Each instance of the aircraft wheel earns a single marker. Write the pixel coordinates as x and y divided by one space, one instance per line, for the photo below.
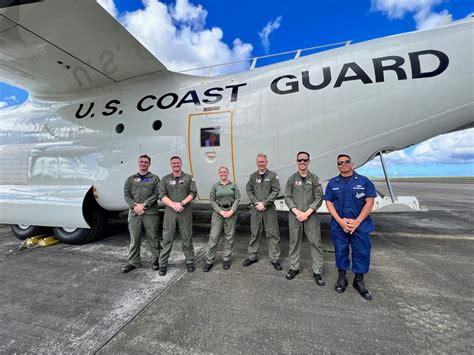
23 231
97 220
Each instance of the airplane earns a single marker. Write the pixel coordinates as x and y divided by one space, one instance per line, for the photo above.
99 99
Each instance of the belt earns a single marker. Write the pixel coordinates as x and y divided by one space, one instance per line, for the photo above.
225 206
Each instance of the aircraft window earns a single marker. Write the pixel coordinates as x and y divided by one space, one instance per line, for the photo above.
210 137
157 125
119 128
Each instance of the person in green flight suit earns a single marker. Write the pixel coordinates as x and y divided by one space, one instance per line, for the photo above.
303 196
225 198
141 193
177 190
263 188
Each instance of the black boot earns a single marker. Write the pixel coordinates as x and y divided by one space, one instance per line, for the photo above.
341 282
359 285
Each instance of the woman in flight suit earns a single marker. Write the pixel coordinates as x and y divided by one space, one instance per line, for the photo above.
225 197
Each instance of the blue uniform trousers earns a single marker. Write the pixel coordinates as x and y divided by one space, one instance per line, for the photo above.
361 246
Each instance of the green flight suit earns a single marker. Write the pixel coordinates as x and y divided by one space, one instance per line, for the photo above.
264 189
177 189
303 194
142 189
223 197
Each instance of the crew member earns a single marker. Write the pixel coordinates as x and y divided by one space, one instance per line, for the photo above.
225 197
141 193
177 190
303 196
263 188
350 199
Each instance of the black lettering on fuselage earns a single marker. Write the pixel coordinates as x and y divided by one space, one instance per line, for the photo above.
111 106
80 115
194 99
379 68
293 85
141 107
174 98
416 72
326 79
359 74
209 93
235 91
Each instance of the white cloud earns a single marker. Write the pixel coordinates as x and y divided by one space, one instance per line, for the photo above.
185 12
452 148
3 104
424 16
267 30
178 37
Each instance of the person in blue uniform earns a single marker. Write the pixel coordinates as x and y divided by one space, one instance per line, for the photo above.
349 199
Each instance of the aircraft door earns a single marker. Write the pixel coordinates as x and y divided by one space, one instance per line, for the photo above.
210 145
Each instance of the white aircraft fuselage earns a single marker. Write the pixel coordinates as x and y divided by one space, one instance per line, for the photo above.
384 94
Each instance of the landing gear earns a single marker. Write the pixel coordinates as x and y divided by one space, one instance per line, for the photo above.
23 231
95 217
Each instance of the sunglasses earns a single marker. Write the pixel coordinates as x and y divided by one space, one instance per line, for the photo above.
302 160
342 162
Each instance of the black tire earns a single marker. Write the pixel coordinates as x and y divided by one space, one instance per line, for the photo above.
23 232
75 236
94 215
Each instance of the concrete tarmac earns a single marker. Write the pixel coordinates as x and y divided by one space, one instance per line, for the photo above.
74 299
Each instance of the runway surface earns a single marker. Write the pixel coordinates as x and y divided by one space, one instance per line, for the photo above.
74 299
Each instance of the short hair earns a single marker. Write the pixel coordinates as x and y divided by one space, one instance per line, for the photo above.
344 155
145 156
302 152
223 167
261 155
175 157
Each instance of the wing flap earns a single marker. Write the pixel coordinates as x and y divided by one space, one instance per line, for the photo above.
64 46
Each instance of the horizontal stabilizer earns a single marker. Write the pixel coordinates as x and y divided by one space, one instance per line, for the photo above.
62 46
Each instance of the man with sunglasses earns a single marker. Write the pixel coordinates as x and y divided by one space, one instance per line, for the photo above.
350 198
303 196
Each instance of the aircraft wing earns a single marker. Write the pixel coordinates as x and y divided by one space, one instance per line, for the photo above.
56 47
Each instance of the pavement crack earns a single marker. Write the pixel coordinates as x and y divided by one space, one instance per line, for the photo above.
466 288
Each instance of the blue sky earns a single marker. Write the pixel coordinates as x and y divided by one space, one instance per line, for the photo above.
187 34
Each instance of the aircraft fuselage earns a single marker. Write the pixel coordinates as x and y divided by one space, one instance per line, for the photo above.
384 94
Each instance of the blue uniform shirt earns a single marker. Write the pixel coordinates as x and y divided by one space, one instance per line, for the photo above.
349 198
